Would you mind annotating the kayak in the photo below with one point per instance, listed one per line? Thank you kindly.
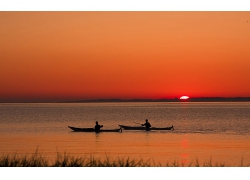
(76, 129)
(143, 128)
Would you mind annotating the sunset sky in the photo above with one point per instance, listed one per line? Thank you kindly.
(61, 56)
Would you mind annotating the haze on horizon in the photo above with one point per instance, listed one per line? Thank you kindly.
(64, 56)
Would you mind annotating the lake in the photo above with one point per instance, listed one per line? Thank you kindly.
(204, 132)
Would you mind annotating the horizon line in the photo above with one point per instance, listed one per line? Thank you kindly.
(176, 99)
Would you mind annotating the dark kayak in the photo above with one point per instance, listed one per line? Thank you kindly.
(76, 129)
(143, 128)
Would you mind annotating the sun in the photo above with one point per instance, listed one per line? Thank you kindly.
(184, 97)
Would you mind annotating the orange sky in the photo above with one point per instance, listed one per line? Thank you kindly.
(54, 56)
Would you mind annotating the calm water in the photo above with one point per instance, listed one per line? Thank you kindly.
(217, 132)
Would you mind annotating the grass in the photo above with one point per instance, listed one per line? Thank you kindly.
(67, 160)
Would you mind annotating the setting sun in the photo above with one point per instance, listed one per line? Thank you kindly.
(184, 97)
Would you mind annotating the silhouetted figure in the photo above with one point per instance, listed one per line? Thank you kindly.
(97, 126)
(147, 124)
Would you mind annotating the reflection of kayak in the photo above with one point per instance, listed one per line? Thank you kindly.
(93, 129)
(143, 128)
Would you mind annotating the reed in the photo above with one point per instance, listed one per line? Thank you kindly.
(35, 160)
(67, 160)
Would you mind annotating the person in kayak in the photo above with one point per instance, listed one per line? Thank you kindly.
(98, 126)
(147, 124)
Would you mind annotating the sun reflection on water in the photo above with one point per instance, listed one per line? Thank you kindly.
(184, 155)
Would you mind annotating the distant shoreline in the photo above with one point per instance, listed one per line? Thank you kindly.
(203, 99)
(192, 99)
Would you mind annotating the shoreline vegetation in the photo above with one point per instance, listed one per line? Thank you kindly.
(68, 160)
(176, 99)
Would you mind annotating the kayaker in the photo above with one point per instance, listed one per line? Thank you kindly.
(98, 126)
(147, 124)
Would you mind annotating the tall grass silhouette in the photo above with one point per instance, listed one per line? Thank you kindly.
(67, 160)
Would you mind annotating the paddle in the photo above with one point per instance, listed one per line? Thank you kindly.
(138, 123)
